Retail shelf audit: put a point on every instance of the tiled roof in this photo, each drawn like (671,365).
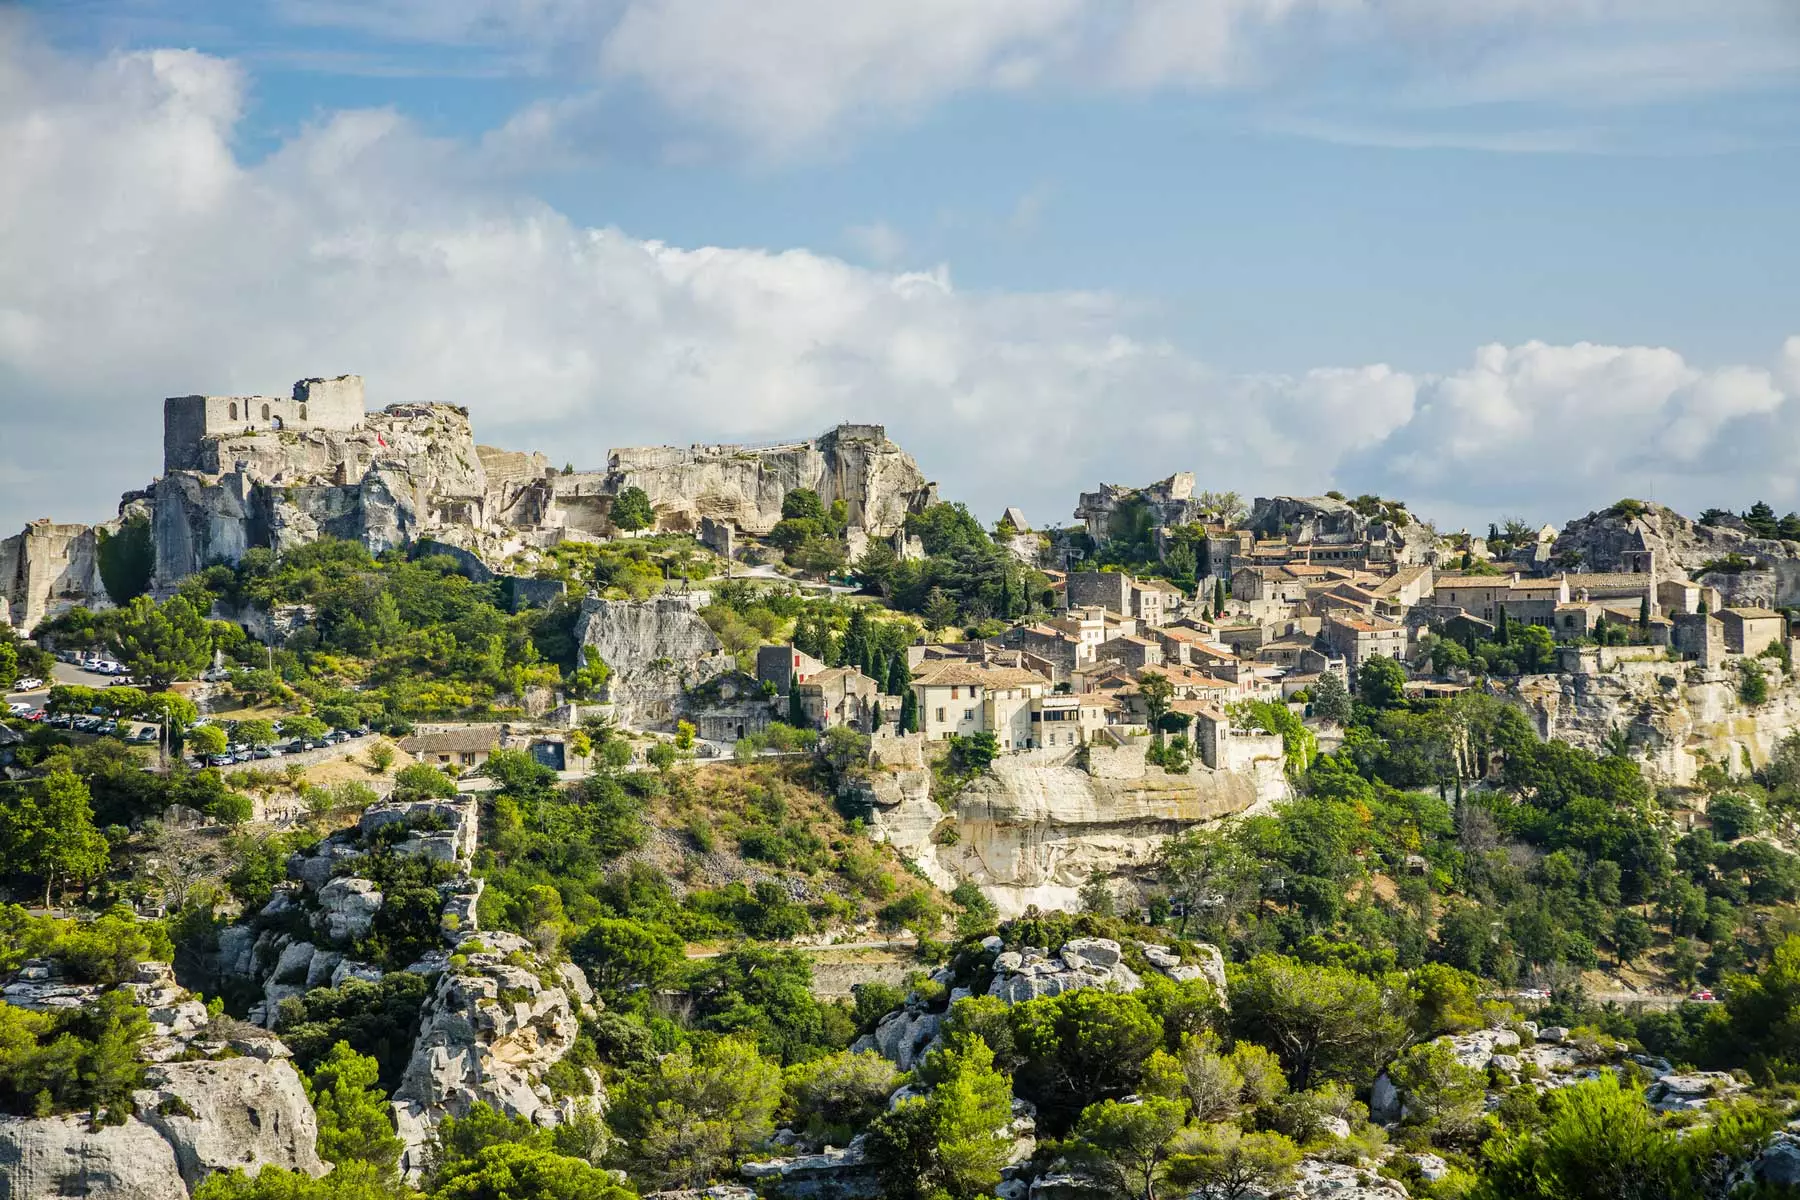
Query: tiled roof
(1751,613)
(455,741)
(968,675)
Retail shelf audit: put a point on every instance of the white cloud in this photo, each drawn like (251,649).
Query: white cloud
(878,242)
(140,257)
(787,75)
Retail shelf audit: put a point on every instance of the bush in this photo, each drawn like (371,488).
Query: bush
(831,1099)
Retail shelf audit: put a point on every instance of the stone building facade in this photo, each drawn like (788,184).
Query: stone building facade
(315,404)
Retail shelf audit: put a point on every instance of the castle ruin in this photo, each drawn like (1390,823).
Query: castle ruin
(316,404)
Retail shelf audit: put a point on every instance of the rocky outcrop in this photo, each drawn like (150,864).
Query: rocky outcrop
(1613,540)
(217,1096)
(48,568)
(745,485)
(488,1033)
(1034,827)
(657,649)
(235,1113)
(1676,716)
(410,471)
(52,1158)
(1025,975)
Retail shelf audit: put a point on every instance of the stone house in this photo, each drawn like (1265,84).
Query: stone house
(456,747)
(1750,631)
(1067,720)
(1110,590)
(1223,747)
(838,696)
(1276,583)
(784,666)
(1685,596)
(1530,601)
(1360,639)
(1700,636)
(1153,601)
(1131,651)
(1406,587)
(958,698)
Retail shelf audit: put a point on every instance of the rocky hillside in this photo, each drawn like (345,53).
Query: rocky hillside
(1747,570)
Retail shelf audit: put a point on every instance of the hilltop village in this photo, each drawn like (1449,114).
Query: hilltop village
(386,814)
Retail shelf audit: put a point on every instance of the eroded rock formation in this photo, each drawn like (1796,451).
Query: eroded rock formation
(1673,547)
(657,649)
(1035,826)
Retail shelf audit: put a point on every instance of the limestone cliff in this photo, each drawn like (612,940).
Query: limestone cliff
(877,480)
(1677,716)
(47,568)
(410,471)
(1612,540)
(657,649)
(1032,828)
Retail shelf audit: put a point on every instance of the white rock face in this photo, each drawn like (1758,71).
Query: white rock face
(487,1033)
(245,1112)
(1031,830)
(657,649)
(349,905)
(879,482)
(54,1158)
(1082,962)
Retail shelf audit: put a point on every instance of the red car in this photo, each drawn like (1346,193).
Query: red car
(1701,994)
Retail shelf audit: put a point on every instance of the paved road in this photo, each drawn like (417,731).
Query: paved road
(61,673)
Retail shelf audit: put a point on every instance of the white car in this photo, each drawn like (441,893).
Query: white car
(18,710)
(29,684)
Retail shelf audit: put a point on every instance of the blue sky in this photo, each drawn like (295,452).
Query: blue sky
(1518,259)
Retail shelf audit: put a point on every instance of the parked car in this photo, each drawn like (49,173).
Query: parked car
(215,675)
(18,709)
(296,746)
(30,683)
(1704,995)
(36,714)
(262,752)
(221,760)
(120,681)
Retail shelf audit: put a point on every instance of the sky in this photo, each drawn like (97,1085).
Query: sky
(1496,258)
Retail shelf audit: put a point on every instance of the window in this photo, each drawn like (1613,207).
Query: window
(956,693)
(968,714)
(265,412)
(940,714)
(234,410)
(303,412)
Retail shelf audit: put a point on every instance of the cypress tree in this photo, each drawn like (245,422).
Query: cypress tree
(1006,599)
(1502,632)
(876,666)
(899,679)
(796,711)
(1218,597)
(909,712)
(1644,613)
(875,718)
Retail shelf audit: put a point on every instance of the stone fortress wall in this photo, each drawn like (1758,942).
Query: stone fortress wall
(316,404)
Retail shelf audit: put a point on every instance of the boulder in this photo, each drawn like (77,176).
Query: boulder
(1681,1093)
(840,1174)
(1779,1162)
(348,905)
(1319,1179)
(903,1037)
(1084,962)
(50,1158)
(236,1112)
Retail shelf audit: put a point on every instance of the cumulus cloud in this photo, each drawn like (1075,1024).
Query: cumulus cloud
(141,257)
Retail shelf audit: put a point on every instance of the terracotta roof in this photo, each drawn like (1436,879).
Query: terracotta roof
(1365,624)
(454,741)
(1751,613)
(969,675)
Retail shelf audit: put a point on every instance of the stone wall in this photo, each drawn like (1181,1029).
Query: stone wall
(48,568)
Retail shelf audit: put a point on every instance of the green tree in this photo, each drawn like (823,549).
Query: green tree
(1157,694)
(803,504)
(1381,682)
(1125,1148)
(355,1124)
(589,679)
(205,740)
(353,1181)
(1630,935)
(1443,1097)
(631,510)
(1218,604)
(909,711)
(1753,685)
(621,957)
(255,732)
(684,1117)
(952,1141)
(1325,1022)
(49,832)
(302,726)
(421,781)
(796,711)
(521,1171)
(1331,699)
(1080,1048)
(126,559)
(832,1099)
(1222,1162)
(899,676)
(161,644)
